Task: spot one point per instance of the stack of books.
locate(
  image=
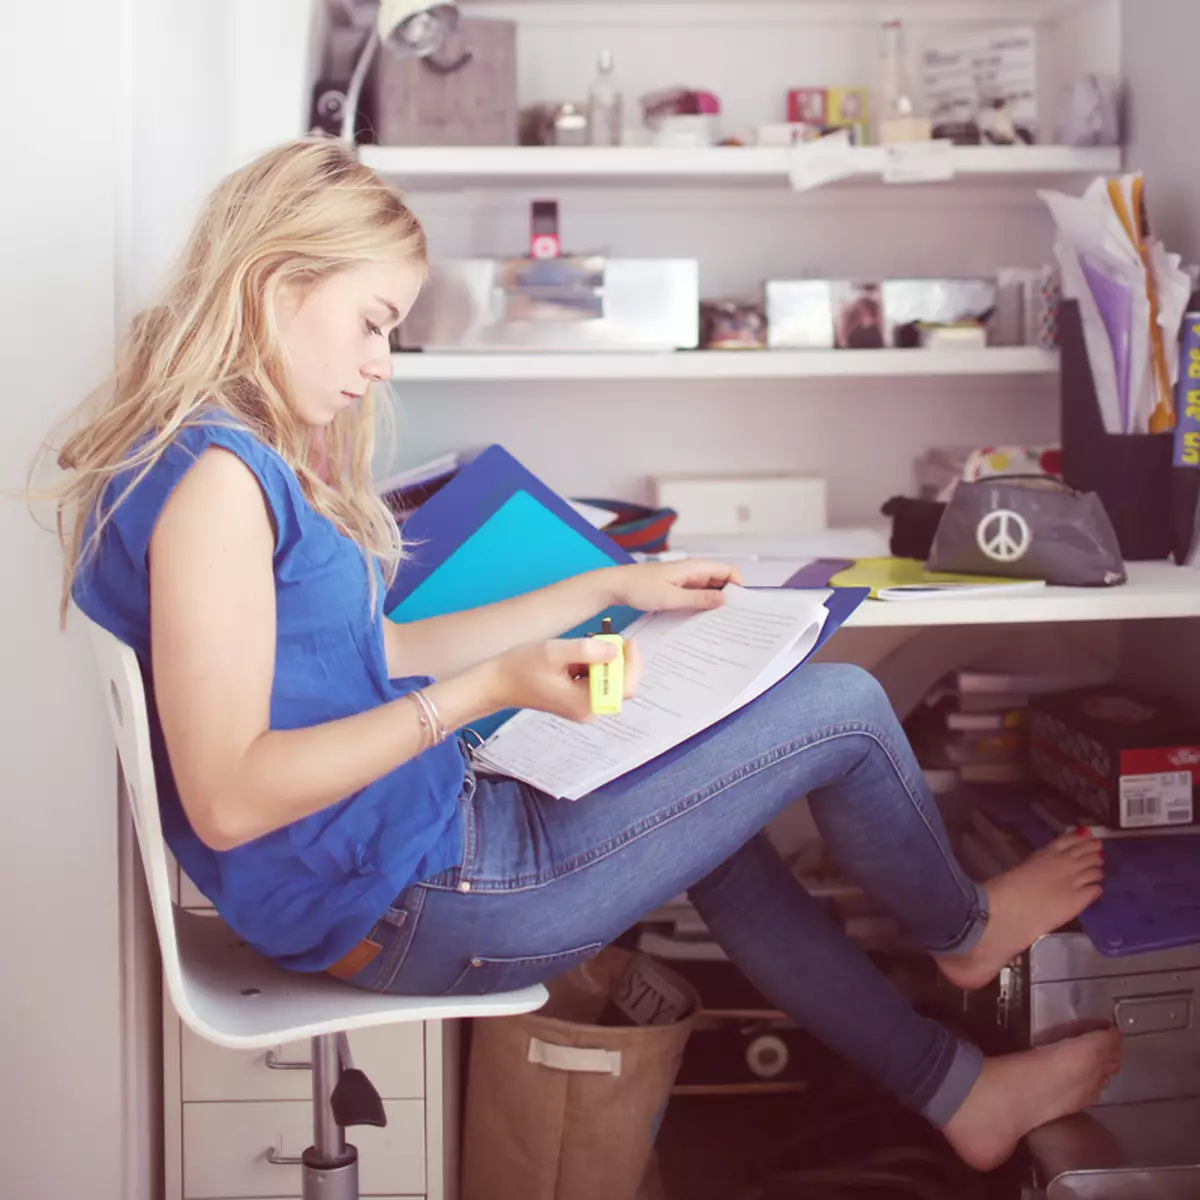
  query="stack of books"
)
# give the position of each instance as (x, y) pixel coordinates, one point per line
(973, 725)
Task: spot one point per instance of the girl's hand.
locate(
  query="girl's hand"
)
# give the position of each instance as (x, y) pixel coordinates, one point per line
(552, 676)
(657, 587)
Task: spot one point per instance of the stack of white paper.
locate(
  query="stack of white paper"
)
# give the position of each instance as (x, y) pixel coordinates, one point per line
(1132, 299)
(697, 668)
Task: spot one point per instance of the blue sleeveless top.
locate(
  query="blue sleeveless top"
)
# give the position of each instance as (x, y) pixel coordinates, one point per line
(305, 894)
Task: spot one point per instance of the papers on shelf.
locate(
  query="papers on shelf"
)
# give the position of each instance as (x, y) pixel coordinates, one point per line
(815, 164)
(919, 162)
(1132, 298)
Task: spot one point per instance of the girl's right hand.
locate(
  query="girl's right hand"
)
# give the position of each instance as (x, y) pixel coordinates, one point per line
(551, 676)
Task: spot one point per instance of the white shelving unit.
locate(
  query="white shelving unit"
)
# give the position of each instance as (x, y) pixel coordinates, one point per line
(447, 367)
(521, 166)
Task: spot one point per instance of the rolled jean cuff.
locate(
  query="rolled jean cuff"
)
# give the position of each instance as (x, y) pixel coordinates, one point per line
(965, 1069)
(976, 926)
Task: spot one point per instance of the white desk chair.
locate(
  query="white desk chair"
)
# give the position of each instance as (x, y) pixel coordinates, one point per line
(230, 995)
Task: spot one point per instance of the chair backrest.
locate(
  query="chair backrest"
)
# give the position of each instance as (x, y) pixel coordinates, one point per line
(125, 699)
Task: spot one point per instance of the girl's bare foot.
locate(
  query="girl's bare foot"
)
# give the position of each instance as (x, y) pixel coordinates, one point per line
(1053, 886)
(1019, 1092)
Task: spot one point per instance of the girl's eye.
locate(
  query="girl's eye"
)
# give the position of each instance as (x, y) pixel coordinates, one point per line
(374, 330)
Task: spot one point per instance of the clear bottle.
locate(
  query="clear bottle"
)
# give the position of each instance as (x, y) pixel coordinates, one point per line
(605, 106)
(897, 93)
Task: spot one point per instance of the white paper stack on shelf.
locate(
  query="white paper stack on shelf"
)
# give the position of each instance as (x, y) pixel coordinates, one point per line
(1132, 298)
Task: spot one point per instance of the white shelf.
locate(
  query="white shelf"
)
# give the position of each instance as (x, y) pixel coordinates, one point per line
(446, 367)
(517, 166)
(1154, 591)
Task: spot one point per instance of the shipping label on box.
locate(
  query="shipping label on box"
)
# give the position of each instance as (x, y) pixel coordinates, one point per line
(1128, 761)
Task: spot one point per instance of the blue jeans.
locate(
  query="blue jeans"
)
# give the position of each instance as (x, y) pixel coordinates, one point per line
(546, 883)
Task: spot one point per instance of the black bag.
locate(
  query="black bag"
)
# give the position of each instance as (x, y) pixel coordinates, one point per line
(1028, 527)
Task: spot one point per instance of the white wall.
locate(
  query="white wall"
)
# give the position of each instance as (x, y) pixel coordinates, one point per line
(106, 161)
(60, 1004)
(1159, 41)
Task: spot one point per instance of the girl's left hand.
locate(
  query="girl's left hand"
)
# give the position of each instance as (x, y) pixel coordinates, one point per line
(657, 587)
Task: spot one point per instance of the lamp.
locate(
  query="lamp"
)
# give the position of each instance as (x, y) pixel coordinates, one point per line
(407, 29)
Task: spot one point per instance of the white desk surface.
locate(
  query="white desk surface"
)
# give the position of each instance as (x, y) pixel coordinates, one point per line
(1154, 591)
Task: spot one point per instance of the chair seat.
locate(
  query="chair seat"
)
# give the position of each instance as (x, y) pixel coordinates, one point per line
(236, 998)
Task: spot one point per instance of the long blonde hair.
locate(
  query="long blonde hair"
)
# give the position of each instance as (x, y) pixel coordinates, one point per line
(297, 214)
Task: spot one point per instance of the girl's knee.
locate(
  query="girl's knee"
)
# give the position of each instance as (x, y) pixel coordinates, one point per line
(849, 694)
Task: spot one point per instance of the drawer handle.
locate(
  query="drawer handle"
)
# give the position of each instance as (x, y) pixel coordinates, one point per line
(1167, 1013)
(283, 1160)
(282, 1064)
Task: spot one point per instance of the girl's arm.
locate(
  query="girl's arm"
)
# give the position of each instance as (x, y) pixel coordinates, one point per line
(445, 645)
(213, 649)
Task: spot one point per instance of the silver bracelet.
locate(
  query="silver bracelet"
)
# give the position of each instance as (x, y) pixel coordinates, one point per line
(430, 718)
(423, 719)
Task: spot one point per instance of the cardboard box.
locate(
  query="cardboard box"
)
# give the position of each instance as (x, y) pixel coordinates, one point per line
(763, 504)
(1125, 759)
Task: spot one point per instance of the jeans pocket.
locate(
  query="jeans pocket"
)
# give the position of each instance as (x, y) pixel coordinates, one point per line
(484, 976)
(394, 932)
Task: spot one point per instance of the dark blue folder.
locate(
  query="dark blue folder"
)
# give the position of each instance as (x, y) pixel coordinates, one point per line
(494, 531)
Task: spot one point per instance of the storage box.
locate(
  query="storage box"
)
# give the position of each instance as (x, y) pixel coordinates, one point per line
(464, 95)
(1151, 998)
(1128, 760)
(557, 305)
(1139, 1143)
(722, 504)
(809, 105)
(799, 314)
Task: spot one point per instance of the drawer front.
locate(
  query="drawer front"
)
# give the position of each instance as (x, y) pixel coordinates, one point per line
(225, 1150)
(1158, 1015)
(393, 1056)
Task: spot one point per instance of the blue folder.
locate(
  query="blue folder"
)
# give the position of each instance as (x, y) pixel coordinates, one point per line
(493, 532)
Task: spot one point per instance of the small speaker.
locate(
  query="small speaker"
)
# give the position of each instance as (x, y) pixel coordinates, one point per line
(328, 107)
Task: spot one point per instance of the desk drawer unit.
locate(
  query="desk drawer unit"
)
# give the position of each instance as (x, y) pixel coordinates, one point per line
(393, 1056)
(226, 1148)
(1152, 998)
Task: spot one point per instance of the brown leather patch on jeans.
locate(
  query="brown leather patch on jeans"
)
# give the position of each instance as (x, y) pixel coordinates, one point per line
(365, 953)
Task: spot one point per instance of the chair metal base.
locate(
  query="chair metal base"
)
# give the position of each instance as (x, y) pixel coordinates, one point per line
(330, 1164)
(326, 1182)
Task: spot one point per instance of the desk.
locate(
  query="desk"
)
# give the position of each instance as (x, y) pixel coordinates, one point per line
(1154, 591)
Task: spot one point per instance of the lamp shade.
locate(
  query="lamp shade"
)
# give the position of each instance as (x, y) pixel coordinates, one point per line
(417, 28)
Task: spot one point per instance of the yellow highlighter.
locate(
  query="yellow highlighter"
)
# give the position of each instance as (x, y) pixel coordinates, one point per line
(606, 681)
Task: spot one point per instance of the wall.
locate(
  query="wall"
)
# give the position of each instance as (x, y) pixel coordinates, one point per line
(61, 1003)
(1159, 40)
(862, 435)
(103, 184)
